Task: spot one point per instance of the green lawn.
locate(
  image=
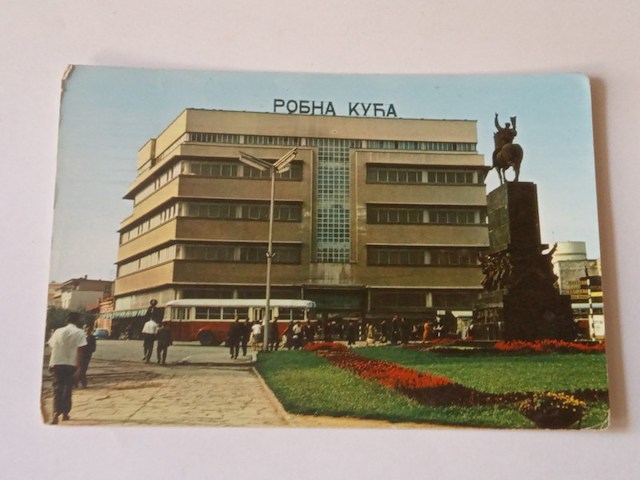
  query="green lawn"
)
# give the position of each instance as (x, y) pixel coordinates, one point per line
(306, 384)
(499, 372)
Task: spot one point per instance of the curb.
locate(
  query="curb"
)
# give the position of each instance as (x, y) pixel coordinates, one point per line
(218, 363)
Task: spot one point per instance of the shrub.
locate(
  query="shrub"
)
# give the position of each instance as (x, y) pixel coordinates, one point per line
(553, 409)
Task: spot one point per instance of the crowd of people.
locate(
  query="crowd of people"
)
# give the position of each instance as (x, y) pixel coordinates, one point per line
(397, 330)
(243, 334)
(72, 346)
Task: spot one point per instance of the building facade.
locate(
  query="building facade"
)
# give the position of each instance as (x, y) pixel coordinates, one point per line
(78, 293)
(375, 216)
(581, 278)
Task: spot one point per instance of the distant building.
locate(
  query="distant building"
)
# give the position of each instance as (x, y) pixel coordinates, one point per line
(78, 293)
(53, 294)
(376, 216)
(581, 278)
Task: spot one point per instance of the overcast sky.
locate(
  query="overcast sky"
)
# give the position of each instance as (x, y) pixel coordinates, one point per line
(107, 114)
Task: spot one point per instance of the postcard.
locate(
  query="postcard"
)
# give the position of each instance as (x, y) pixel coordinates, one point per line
(316, 250)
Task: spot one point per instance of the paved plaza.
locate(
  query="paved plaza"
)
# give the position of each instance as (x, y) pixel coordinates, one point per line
(200, 386)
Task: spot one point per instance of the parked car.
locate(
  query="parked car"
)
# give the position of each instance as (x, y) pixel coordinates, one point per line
(101, 334)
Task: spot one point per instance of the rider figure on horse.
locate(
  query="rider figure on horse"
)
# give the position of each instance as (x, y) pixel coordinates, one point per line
(504, 135)
(511, 156)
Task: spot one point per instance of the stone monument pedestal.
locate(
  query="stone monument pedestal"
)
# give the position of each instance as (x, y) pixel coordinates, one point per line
(520, 301)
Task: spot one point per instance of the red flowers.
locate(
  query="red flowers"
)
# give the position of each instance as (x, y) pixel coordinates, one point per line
(548, 346)
(325, 346)
(385, 373)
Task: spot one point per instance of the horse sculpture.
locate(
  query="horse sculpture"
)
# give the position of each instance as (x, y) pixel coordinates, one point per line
(506, 154)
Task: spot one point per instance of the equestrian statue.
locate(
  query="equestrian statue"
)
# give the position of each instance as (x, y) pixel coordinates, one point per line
(506, 154)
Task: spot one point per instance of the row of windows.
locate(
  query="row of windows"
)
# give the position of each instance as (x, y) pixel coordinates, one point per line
(215, 313)
(159, 182)
(282, 212)
(337, 254)
(428, 146)
(231, 168)
(148, 261)
(225, 168)
(398, 299)
(422, 256)
(212, 137)
(393, 174)
(245, 211)
(291, 254)
(153, 222)
(315, 142)
(421, 215)
(242, 253)
(229, 313)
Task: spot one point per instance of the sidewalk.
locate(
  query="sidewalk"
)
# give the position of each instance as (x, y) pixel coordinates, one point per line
(218, 357)
(202, 389)
(128, 393)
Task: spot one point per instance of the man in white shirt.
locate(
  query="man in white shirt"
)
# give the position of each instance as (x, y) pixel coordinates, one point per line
(64, 364)
(149, 331)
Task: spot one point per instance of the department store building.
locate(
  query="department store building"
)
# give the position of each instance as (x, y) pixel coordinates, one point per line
(376, 216)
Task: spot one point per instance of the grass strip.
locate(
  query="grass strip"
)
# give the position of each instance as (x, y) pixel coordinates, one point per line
(306, 384)
(500, 373)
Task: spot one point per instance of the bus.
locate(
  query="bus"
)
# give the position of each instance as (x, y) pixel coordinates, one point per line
(208, 320)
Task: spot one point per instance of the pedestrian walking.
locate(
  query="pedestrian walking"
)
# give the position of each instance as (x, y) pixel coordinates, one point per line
(86, 353)
(233, 339)
(425, 331)
(149, 331)
(256, 335)
(245, 335)
(287, 336)
(65, 364)
(371, 339)
(164, 340)
(351, 333)
(308, 333)
(297, 336)
(274, 335)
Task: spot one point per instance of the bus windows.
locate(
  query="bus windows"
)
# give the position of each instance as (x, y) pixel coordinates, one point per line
(176, 313)
(208, 313)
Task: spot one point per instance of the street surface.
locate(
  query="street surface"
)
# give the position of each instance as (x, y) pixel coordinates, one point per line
(198, 386)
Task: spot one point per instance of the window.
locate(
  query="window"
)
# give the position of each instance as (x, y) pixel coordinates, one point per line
(223, 168)
(407, 256)
(159, 181)
(242, 253)
(378, 173)
(147, 261)
(462, 300)
(208, 313)
(384, 214)
(398, 299)
(225, 210)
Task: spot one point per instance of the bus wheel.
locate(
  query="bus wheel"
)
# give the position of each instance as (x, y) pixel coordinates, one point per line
(206, 338)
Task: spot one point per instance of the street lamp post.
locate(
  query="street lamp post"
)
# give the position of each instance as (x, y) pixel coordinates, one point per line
(279, 166)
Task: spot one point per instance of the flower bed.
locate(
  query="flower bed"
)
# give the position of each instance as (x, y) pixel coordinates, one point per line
(458, 347)
(325, 346)
(421, 386)
(546, 410)
(548, 346)
(553, 409)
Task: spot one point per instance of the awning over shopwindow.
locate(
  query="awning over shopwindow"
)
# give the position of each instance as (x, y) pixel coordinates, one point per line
(125, 313)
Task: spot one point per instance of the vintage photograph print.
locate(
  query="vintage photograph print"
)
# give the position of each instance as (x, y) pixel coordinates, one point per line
(297, 250)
